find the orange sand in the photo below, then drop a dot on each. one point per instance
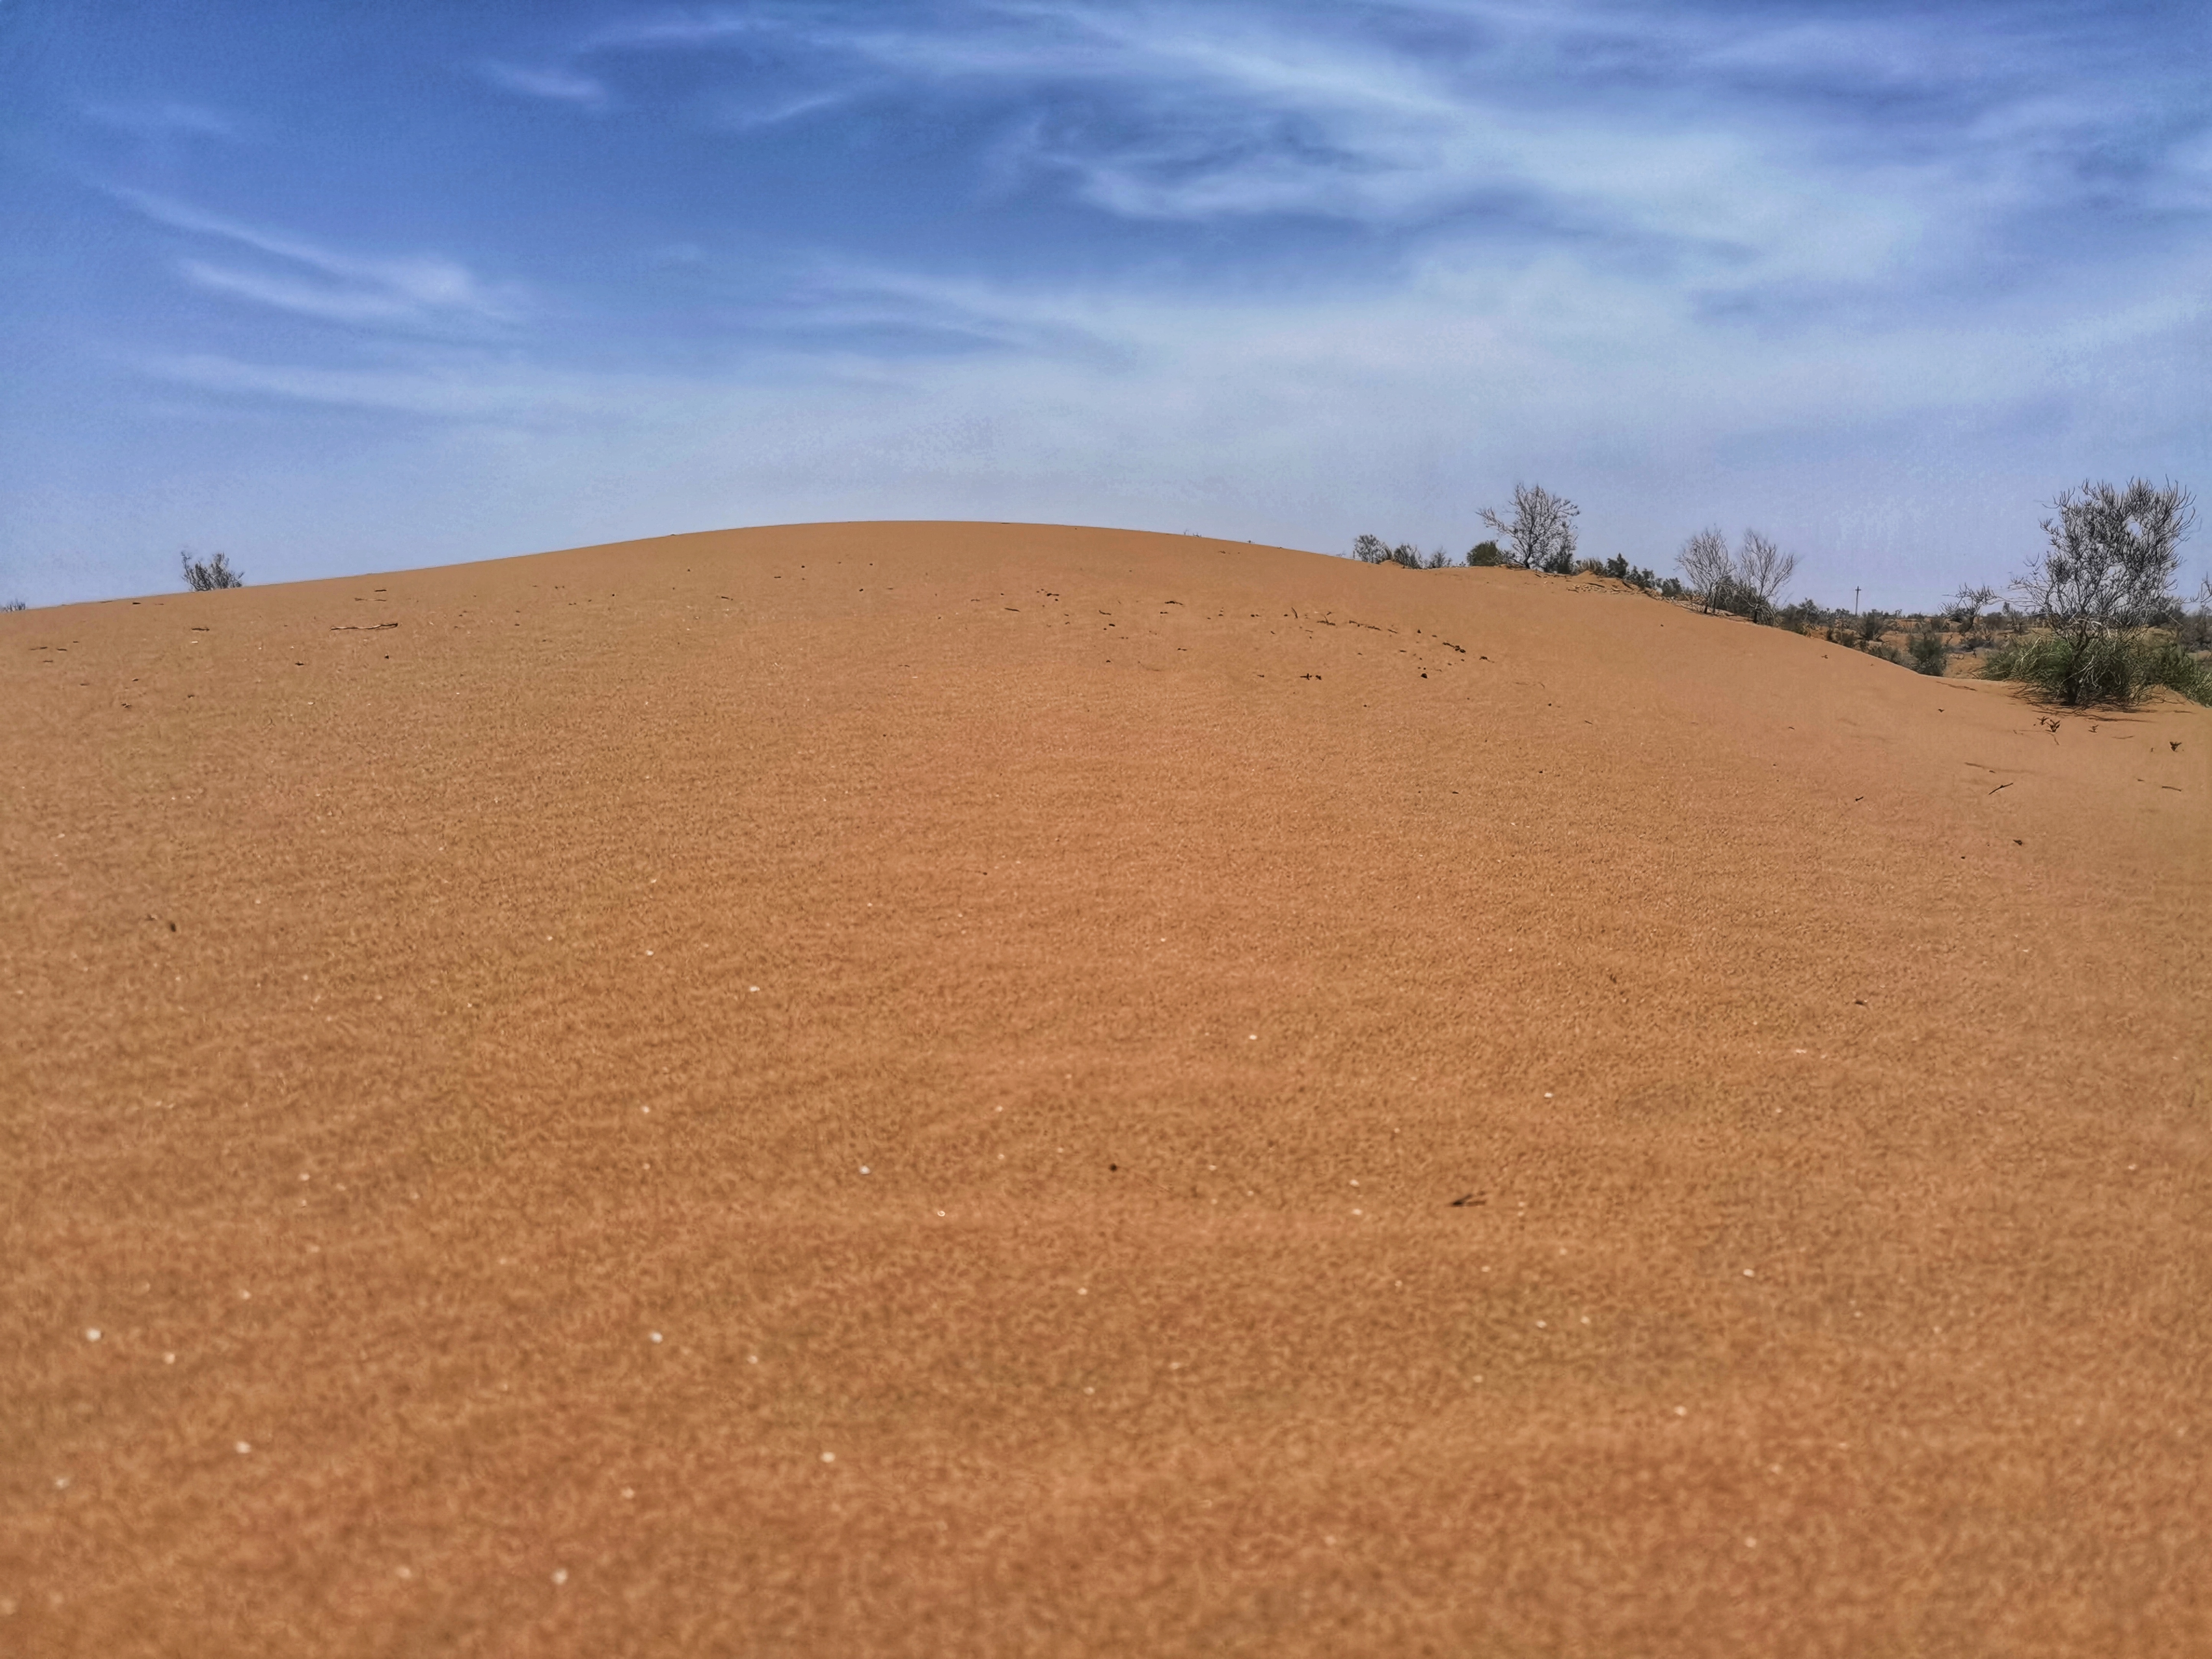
(523, 1065)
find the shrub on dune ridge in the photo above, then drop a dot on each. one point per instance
(1749, 584)
(203, 575)
(1373, 550)
(1539, 534)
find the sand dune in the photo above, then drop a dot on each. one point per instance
(984, 1089)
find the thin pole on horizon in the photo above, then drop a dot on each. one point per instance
(1855, 602)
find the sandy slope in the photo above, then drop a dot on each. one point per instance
(549, 1054)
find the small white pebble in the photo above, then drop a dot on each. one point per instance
(829, 1457)
(1541, 1326)
(93, 1334)
(168, 1359)
(1085, 1291)
(1547, 1094)
(406, 1572)
(243, 1446)
(1681, 1411)
(752, 1359)
(1747, 1273)
(1751, 1543)
(656, 1336)
(560, 1574)
(629, 1492)
(864, 1169)
(752, 988)
(61, 1483)
(647, 1110)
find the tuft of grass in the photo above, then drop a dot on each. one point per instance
(2109, 668)
(1929, 655)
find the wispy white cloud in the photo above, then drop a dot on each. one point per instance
(557, 83)
(1764, 146)
(751, 113)
(408, 288)
(452, 388)
(678, 30)
(166, 118)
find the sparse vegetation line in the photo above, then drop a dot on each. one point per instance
(2101, 624)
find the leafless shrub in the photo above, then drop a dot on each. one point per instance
(1764, 570)
(1705, 564)
(1540, 535)
(203, 574)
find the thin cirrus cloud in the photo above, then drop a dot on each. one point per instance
(1201, 114)
(418, 290)
(557, 83)
(163, 120)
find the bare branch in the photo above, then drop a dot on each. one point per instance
(1541, 534)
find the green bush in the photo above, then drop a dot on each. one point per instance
(1485, 553)
(1620, 570)
(1928, 654)
(2115, 668)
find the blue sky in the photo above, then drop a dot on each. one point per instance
(345, 287)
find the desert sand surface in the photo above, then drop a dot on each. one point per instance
(936, 1089)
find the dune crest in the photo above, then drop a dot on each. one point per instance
(901, 1088)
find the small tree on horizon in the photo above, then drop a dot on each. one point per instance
(202, 575)
(1764, 570)
(1541, 534)
(1748, 583)
(1967, 606)
(1705, 564)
